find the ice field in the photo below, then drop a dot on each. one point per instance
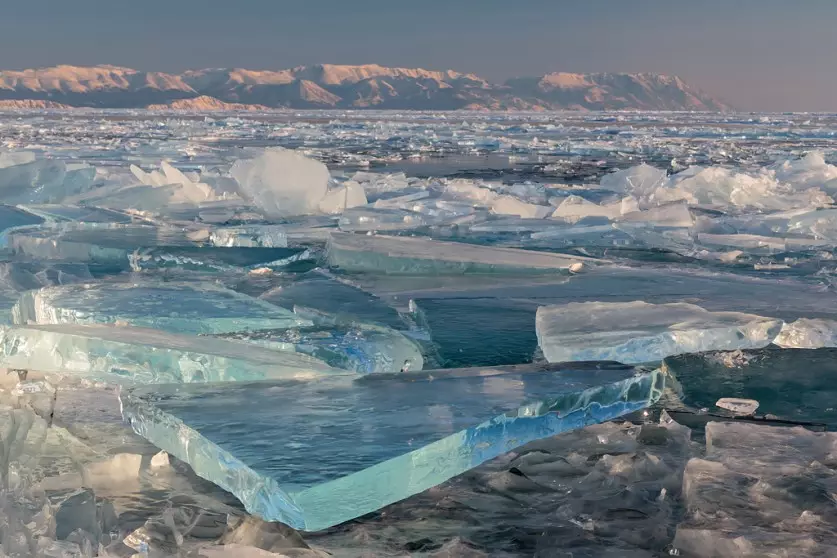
(452, 334)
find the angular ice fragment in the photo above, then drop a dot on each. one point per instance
(317, 453)
(250, 236)
(807, 333)
(636, 332)
(376, 183)
(671, 215)
(575, 208)
(146, 356)
(401, 202)
(364, 219)
(177, 307)
(810, 171)
(742, 407)
(508, 205)
(347, 304)
(349, 194)
(403, 255)
(792, 384)
(639, 181)
(282, 182)
(34, 182)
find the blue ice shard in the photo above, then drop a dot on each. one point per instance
(313, 454)
(177, 307)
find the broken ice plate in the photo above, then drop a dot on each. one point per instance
(119, 244)
(136, 355)
(637, 332)
(176, 307)
(414, 256)
(313, 454)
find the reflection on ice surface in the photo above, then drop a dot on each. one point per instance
(319, 452)
(290, 304)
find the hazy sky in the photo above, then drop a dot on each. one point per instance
(755, 54)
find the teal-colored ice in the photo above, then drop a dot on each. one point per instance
(124, 247)
(177, 307)
(313, 454)
(366, 349)
(128, 355)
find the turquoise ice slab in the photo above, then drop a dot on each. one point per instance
(313, 454)
(177, 307)
(135, 245)
(128, 355)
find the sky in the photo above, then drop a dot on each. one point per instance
(772, 55)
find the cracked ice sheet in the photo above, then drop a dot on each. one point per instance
(129, 355)
(318, 453)
(760, 491)
(416, 256)
(177, 307)
(637, 332)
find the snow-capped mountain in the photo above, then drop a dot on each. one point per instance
(336, 86)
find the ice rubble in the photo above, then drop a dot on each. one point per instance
(760, 491)
(317, 422)
(637, 332)
(204, 220)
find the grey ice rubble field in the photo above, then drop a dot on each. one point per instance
(432, 334)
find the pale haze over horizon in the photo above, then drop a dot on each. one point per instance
(767, 55)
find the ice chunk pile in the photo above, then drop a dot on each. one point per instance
(306, 336)
(760, 490)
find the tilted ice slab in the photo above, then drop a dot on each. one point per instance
(635, 332)
(343, 302)
(177, 307)
(317, 453)
(143, 246)
(92, 242)
(146, 356)
(413, 255)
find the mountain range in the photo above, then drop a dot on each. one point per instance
(325, 86)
